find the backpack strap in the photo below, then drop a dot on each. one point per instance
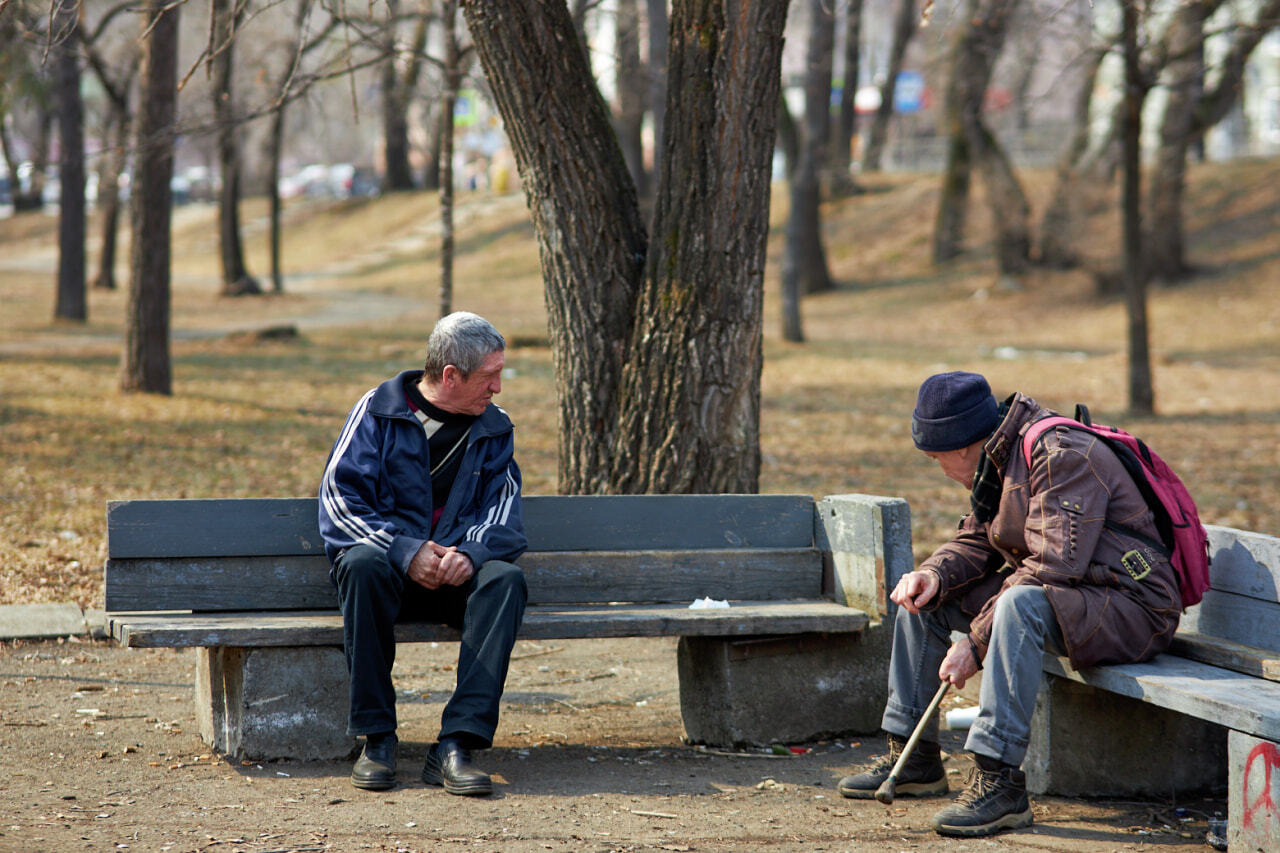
(1038, 428)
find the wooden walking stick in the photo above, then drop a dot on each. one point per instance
(887, 788)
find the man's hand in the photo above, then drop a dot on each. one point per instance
(915, 590)
(960, 664)
(435, 566)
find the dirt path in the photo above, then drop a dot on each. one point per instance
(99, 751)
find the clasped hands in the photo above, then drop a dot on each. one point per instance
(435, 566)
(914, 591)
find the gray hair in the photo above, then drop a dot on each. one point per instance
(462, 339)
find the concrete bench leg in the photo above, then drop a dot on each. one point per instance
(1253, 793)
(270, 702)
(756, 691)
(1087, 742)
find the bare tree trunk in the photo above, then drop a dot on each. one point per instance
(904, 29)
(225, 21)
(657, 346)
(841, 155)
(1060, 223)
(788, 137)
(275, 153)
(449, 12)
(145, 364)
(72, 300)
(658, 39)
(584, 208)
(633, 92)
(1189, 113)
(435, 145)
(1141, 393)
(977, 49)
(113, 165)
(804, 261)
(395, 123)
(690, 402)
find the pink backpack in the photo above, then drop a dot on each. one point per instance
(1182, 536)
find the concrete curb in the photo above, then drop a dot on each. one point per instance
(47, 621)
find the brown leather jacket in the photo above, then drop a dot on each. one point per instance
(1049, 530)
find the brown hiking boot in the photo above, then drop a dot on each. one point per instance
(922, 775)
(991, 801)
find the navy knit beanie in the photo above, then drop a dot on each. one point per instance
(953, 410)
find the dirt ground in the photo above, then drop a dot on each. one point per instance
(99, 750)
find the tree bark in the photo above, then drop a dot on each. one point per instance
(225, 21)
(591, 238)
(72, 301)
(846, 126)
(690, 402)
(145, 363)
(657, 347)
(398, 174)
(904, 29)
(1141, 393)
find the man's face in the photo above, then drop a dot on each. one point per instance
(471, 395)
(959, 465)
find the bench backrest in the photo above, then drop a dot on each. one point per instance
(1242, 604)
(267, 554)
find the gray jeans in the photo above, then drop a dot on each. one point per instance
(1023, 630)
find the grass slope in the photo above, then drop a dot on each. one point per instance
(250, 417)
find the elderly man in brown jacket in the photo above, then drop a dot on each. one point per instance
(1035, 566)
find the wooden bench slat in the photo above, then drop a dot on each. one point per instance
(289, 527)
(1244, 562)
(1239, 618)
(1238, 657)
(302, 583)
(541, 623)
(1230, 699)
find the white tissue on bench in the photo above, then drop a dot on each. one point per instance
(708, 604)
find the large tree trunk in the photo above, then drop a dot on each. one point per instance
(225, 22)
(582, 200)
(145, 363)
(690, 403)
(633, 92)
(840, 159)
(804, 260)
(904, 29)
(1141, 393)
(72, 302)
(657, 346)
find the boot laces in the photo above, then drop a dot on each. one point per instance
(980, 785)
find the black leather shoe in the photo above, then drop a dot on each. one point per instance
(375, 769)
(449, 764)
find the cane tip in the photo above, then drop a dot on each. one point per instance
(885, 792)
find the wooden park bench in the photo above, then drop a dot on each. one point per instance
(800, 652)
(1205, 714)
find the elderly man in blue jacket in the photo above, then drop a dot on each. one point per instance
(420, 513)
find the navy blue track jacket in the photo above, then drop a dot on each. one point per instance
(376, 488)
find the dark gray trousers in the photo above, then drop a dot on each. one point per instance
(373, 595)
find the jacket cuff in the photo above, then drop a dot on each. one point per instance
(478, 554)
(402, 551)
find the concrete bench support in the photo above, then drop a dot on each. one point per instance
(790, 689)
(1087, 742)
(274, 702)
(1253, 793)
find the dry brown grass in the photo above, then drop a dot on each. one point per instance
(257, 419)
